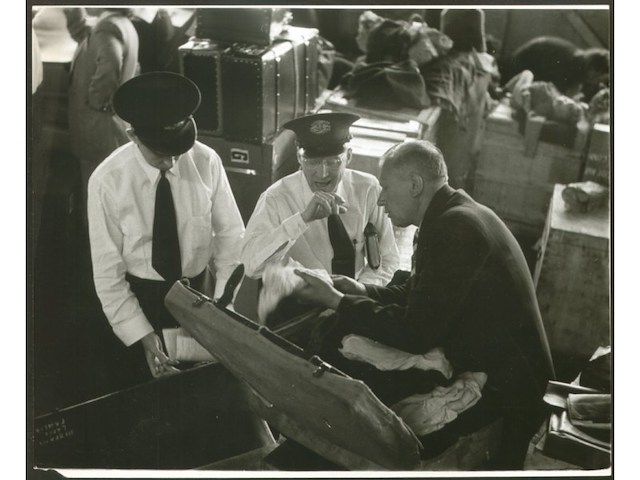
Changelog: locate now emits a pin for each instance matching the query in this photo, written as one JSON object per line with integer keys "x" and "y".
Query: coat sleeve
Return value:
{"x": 109, "y": 60}
{"x": 454, "y": 256}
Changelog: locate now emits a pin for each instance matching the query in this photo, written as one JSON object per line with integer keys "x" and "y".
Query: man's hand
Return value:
{"x": 158, "y": 362}
{"x": 317, "y": 291}
{"x": 323, "y": 204}
{"x": 348, "y": 285}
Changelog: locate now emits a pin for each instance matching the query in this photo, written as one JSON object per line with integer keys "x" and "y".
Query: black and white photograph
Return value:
{"x": 319, "y": 240}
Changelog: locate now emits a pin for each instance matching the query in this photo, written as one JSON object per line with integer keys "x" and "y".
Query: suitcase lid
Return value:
{"x": 306, "y": 399}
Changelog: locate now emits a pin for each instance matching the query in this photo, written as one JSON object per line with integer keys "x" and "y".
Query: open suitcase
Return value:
{"x": 309, "y": 401}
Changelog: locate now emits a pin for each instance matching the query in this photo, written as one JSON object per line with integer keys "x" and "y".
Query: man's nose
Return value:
{"x": 325, "y": 169}
{"x": 381, "y": 200}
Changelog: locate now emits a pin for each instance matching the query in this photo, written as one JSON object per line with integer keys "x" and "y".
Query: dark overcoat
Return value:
{"x": 471, "y": 294}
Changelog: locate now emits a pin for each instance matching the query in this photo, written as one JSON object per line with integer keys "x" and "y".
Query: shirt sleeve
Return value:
{"x": 227, "y": 224}
{"x": 268, "y": 237}
{"x": 106, "y": 78}
{"x": 389, "y": 257}
{"x": 119, "y": 303}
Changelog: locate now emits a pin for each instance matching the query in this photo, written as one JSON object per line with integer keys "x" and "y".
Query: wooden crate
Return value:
{"x": 572, "y": 278}
{"x": 378, "y": 130}
{"x": 368, "y": 147}
{"x": 522, "y": 206}
{"x": 516, "y": 173}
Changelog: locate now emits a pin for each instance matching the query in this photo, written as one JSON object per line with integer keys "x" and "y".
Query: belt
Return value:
{"x": 159, "y": 283}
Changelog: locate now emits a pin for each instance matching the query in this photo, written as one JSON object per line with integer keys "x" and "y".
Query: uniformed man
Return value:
{"x": 319, "y": 215}
{"x": 160, "y": 208}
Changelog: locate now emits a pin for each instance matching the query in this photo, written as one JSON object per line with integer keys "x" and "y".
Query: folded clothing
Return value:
{"x": 544, "y": 99}
{"x": 279, "y": 282}
{"x": 585, "y": 196}
{"x": 356, "y": 347}
{"x": 386, "y": 85}
{"x": 427, "y": 413}
{"x": 423, "y": 412}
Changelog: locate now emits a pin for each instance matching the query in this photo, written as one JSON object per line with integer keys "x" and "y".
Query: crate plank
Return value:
{"x": 572, "y": 279}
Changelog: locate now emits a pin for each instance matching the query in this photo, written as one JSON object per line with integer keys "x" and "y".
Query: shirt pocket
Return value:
{"x": 199, "y": 236}
{"x": 136, "y": 246}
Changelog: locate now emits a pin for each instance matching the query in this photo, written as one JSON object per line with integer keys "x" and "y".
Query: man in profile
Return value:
{"x": 470, "y": 293}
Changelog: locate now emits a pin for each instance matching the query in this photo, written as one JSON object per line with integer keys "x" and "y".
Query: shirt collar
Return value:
{"x": 153, "y": 173}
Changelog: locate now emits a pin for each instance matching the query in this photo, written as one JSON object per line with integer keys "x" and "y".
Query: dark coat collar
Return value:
{"x": 438, "y": 204}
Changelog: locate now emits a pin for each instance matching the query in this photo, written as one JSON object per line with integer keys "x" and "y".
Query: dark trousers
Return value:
{"x": 150, "y": 295}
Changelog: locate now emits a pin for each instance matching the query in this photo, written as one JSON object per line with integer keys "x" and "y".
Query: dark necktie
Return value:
{"x": 413, "y": 256}
{"x": 344, "y": 255}
{"x": 165, "y": 253}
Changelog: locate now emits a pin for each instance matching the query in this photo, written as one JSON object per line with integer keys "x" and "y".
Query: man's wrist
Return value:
{"x": 335, "y": 299}
{"x": 302, "y": 215}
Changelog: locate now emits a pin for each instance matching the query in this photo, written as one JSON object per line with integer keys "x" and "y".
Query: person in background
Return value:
{"x": 159, "y": 39}
{"x": 318, "y": 215}
{"x": 571, "y": 69}
{"x": 160, "y": 208}
{"x": 106, "y": 57}
{"x": 470, "y": 293}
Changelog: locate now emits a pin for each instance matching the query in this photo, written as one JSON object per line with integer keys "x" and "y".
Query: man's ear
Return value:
{"x": 349, "y": 156}
{"x": 417, "y": 184}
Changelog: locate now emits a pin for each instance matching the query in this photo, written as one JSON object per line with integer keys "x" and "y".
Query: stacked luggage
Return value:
{"x": 250, "y": 90}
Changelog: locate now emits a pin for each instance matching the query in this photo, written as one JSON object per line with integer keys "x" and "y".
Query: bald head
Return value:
{"x": 417, "y": 156}
{"x": 412, "y": 172}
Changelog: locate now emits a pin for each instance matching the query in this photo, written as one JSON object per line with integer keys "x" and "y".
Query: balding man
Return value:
{"x": 470, "y": 293}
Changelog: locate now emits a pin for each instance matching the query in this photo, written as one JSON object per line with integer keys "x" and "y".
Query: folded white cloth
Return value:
{"x": 355, "y": 347}
{"x": 183, "y": 347}
{"x": 426, "y": 413}
{"x": 280, "y": 281}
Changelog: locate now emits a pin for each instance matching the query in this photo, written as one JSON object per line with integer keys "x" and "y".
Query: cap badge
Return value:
{"x": 320, "y": 127}
{"x": 177, "y": 125}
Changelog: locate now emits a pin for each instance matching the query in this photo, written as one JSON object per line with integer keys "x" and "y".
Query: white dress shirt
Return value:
{"x": 276, "y": 227}
{"x": 121, "y": 203}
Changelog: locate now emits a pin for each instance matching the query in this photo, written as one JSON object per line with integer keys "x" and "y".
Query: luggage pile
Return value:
{"x": 255, "y": 73}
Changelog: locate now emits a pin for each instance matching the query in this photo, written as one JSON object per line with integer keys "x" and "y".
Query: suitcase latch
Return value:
{"x": 199, "y": 301}
{"x": 321, "y": 367}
